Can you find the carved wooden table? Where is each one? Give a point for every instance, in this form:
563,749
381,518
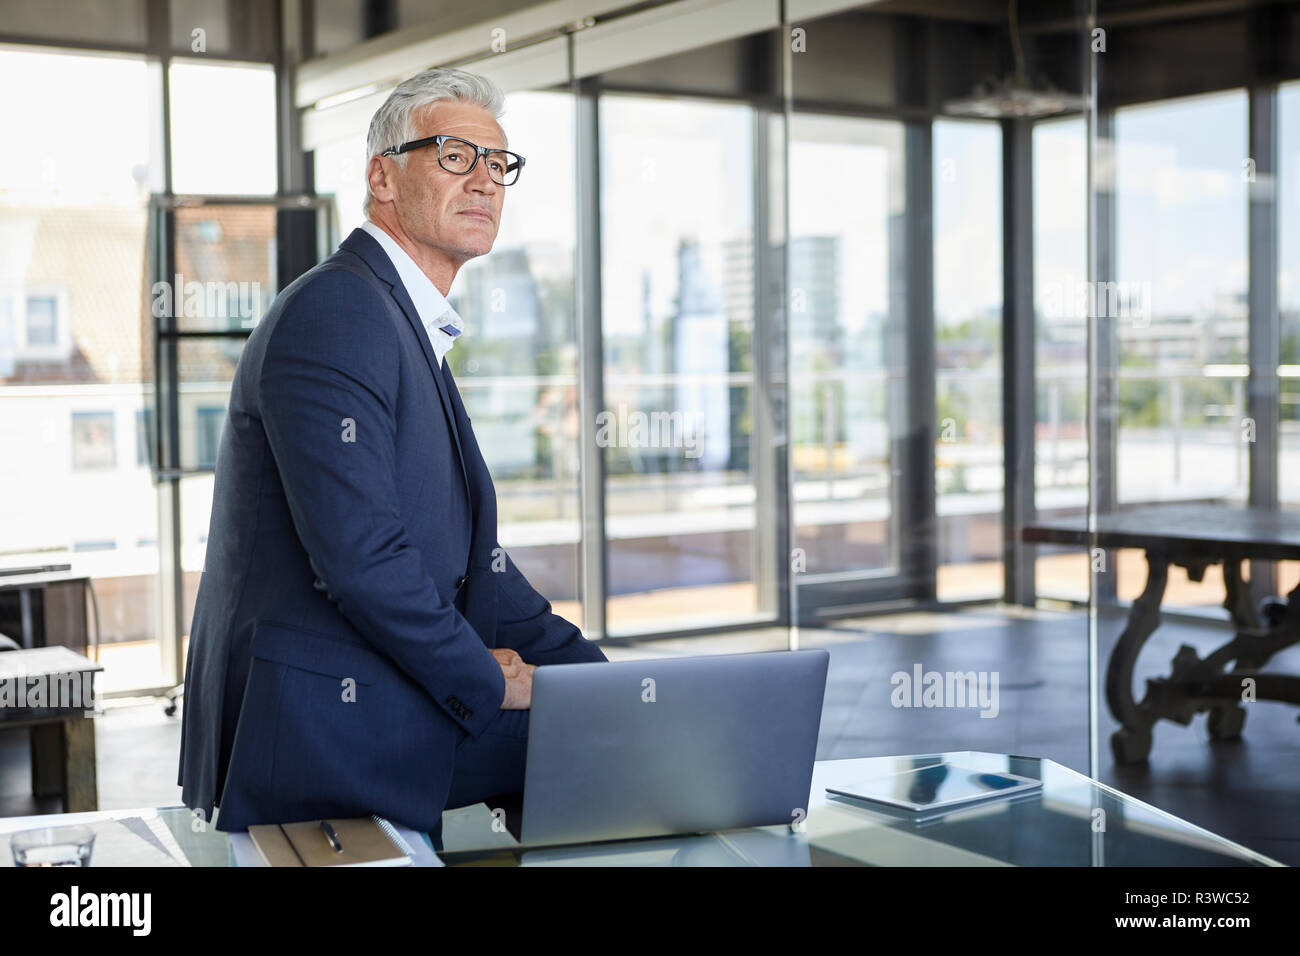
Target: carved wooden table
1194,537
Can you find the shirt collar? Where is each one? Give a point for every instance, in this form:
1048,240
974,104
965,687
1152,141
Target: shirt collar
434,309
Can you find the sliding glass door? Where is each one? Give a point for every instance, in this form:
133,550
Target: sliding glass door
677,261
846,346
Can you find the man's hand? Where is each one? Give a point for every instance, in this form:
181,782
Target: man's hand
519,679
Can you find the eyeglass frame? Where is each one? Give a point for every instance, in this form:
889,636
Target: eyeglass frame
479,151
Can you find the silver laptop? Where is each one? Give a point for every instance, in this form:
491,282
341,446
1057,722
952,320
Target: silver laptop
683,745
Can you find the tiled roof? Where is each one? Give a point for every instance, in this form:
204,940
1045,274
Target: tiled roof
95,256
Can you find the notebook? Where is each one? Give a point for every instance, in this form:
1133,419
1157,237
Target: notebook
365,841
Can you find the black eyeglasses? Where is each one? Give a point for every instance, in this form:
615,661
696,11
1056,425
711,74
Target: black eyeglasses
460,156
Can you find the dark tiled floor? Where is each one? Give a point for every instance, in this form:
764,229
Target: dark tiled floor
1244,790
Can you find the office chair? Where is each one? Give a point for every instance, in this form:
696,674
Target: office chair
173,695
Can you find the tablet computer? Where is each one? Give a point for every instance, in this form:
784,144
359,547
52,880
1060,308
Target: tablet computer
936,788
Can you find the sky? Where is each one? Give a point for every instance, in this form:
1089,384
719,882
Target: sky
87,133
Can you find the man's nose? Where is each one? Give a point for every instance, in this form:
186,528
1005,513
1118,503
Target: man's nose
480,180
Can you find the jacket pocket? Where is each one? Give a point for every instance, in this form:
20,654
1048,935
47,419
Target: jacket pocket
338,749
317,653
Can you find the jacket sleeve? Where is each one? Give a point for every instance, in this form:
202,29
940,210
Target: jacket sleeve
328,392
526,623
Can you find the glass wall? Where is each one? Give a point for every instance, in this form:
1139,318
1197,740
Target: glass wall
1194,320
1060,265
75,345
677,331
1288,202
845,356
517,366
1180,316
932,417
222,128
224,243
109,285
864,463
340,170
1288,288
969,486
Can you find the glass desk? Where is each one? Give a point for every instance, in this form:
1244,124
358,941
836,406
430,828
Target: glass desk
1058,826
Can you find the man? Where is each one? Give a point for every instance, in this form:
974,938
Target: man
361,642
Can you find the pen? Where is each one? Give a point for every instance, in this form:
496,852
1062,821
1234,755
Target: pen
331,836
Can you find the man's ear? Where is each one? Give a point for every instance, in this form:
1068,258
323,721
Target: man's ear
377,179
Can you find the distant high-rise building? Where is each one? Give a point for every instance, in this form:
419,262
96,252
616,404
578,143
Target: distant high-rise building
738,280
814,316
499,300
701,357
500,303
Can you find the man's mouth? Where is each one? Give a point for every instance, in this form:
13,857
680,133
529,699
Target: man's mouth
478,213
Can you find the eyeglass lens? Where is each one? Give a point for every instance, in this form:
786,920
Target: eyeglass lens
457,156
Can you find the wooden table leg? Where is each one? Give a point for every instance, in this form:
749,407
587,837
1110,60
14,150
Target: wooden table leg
80,772
1206,684
1228,721
1132,742
47,759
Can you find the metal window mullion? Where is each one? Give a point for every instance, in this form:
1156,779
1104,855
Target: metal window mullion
913,264
767,394
1019,409
591,386
1099,248
171,584
779,350
1263,345
1104,357
177,335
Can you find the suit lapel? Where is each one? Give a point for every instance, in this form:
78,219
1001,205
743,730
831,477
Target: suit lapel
484,496
480,596
364,245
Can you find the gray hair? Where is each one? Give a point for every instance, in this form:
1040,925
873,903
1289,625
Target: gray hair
394,122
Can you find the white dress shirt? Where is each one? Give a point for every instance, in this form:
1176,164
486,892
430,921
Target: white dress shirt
439,318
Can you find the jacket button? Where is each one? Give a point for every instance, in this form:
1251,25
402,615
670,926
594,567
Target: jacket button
460,581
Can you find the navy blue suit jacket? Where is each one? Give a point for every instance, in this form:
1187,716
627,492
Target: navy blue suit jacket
354,583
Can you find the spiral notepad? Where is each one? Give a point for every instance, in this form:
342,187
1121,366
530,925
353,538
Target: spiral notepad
390,831
365,841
